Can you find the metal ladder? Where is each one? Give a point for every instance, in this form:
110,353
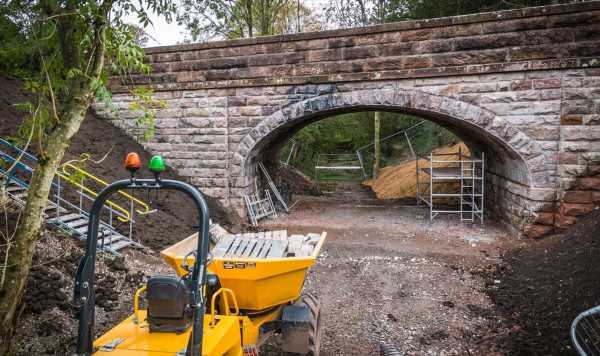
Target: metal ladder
60,211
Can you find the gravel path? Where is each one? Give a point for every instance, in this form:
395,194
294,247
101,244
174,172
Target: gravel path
387,274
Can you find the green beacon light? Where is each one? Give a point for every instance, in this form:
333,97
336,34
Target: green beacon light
156,165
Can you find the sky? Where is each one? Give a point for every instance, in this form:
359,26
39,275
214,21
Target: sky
161,33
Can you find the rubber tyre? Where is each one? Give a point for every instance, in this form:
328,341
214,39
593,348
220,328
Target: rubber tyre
314,335
389,350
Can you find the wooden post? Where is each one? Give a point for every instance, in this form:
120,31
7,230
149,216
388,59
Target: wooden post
377,146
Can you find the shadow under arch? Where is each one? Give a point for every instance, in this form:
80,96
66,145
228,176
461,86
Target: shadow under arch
508,150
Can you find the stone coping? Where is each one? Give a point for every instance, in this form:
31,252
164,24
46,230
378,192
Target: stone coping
389,27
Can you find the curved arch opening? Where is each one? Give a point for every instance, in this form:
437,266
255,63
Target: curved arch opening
502,160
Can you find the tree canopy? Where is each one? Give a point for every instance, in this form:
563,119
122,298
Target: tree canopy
208,19
352,13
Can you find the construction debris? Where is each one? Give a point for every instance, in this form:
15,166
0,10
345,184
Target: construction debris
398,182
273,187
217,232
267,244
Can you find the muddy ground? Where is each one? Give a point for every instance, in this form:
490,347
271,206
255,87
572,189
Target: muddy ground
107,147
387,275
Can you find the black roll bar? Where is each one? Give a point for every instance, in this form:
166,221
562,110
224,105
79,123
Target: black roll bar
83,296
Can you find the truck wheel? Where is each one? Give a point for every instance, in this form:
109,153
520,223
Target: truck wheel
314,333
388,350
301,334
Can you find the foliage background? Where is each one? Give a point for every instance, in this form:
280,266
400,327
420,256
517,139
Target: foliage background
346,133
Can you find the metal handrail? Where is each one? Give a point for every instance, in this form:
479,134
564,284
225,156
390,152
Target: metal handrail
84,192
227,309
67,176
21,152
9,174
84,212
124,218
574,332
399,132
65,168
136,304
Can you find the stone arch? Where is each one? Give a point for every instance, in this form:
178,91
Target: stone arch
513,151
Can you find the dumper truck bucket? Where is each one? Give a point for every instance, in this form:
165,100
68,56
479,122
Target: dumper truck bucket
262,272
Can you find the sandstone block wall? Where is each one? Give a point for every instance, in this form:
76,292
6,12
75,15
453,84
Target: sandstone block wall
522,86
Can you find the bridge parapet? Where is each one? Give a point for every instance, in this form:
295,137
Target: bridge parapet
542,38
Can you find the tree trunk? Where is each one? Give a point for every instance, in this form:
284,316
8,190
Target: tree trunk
250,19
71,114
377,146
19,261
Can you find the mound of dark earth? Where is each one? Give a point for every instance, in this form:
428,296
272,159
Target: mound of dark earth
45,325
176,216
542,286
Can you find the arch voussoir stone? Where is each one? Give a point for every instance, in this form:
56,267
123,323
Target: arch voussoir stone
456,111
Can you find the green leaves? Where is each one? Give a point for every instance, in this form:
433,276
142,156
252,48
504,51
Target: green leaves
207,19
352,13
62,48
348,132
145,106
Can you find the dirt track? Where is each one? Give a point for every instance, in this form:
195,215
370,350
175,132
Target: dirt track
386,275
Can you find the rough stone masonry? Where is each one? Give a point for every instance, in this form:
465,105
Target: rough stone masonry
523,86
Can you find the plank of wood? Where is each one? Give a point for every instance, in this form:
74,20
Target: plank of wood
277,249
217,231
268,234
313,238
250,247
241,247
295,242
234,246
279,235
305,250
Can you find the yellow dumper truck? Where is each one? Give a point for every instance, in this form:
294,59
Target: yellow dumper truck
224,302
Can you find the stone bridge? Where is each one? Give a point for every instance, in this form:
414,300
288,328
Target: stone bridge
523,86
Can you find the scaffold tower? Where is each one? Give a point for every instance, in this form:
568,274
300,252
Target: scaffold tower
452,177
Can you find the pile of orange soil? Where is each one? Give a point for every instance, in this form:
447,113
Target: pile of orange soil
397,182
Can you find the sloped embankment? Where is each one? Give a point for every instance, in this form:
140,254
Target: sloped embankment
96,137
